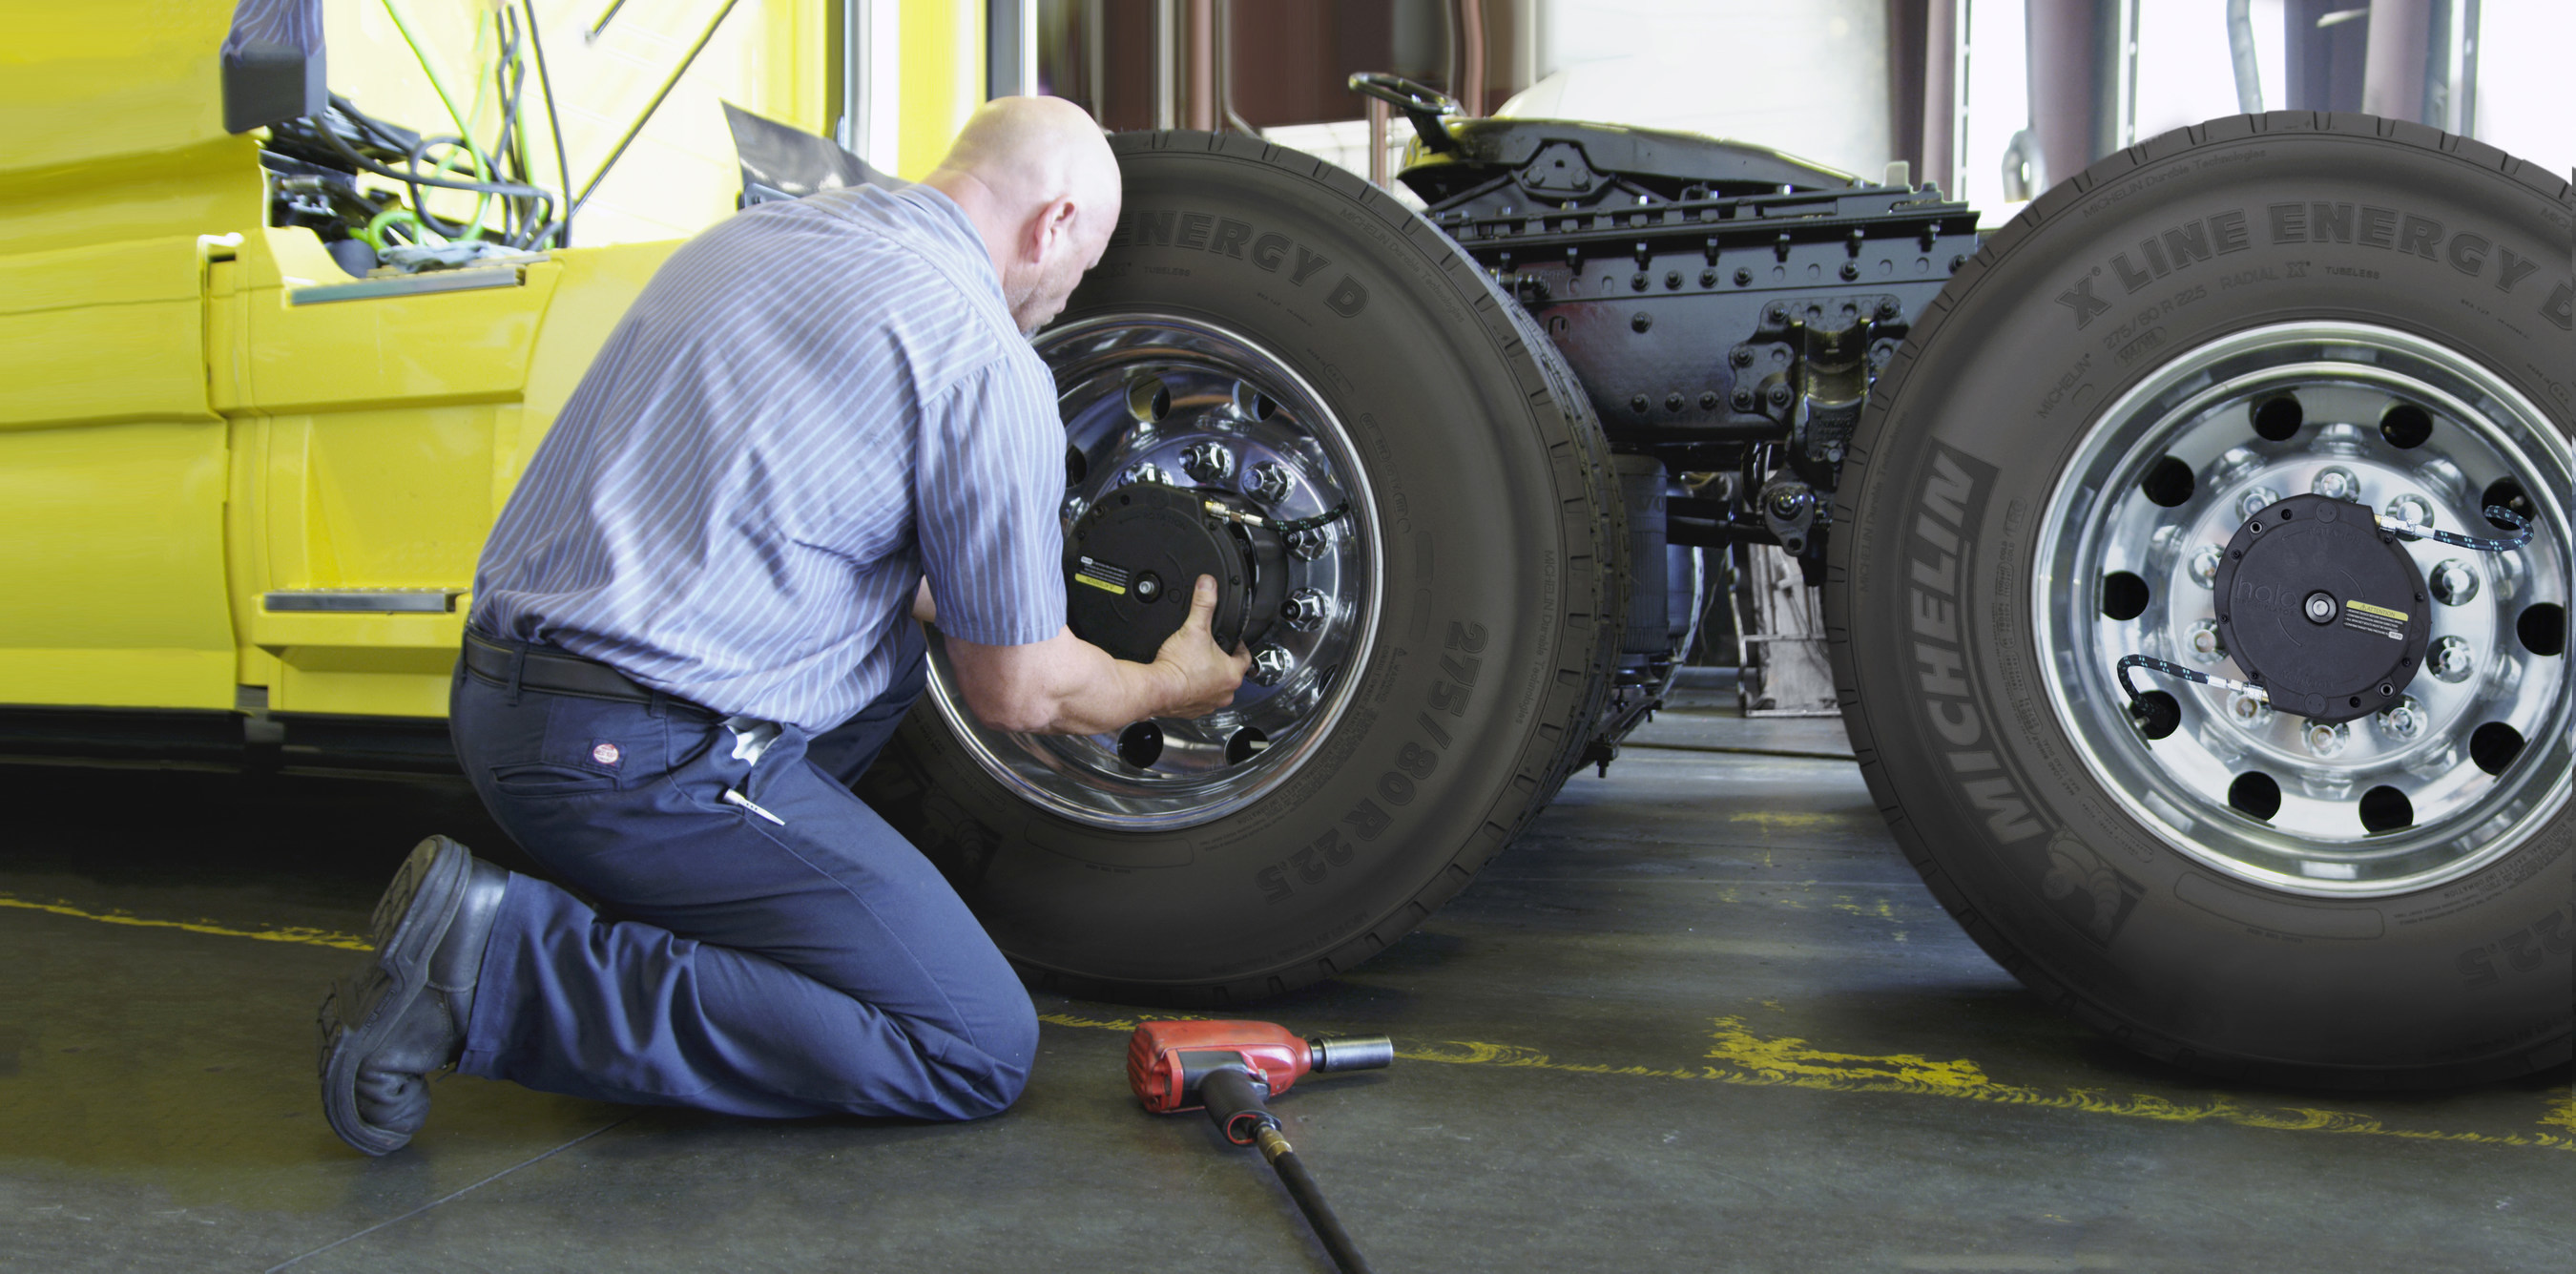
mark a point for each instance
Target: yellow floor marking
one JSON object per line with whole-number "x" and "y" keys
{"x": 1788, "y": 1062}
{"x": 1117, "y": 1023}
{"x": 1883, "y": 911}
{"x": 1749, "y": 1059}
{"x": 1787, "y": 818}
{"x": 305, "y": 937}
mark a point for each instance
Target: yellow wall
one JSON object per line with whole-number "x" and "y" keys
{"x": 942, "y": 78}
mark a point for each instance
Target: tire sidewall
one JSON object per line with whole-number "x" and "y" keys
{"x": 2465, "y": 979}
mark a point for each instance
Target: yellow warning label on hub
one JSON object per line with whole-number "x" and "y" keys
{"x": 1108, "y": 577}
{"x": 2364, "y": 617}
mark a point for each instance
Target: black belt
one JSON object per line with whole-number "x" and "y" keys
{"x": 553, "y": 671}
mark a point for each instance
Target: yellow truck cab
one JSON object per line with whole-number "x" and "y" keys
{"x": 246, "y": 490}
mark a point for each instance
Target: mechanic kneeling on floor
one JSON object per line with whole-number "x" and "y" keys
{"x": 692, "y": 630}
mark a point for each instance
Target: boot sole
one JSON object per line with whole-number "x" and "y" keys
{"x": 408, "y": 922}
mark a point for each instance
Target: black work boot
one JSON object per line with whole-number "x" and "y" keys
{"x": 401, "y": 1015}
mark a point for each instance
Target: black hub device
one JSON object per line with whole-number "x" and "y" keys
{"x": 2322, "y": 608}
{"x": 1132, "y": 559}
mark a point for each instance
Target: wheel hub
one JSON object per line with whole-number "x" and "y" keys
{"x": 2322, "y": 608}
{"x": 1132, "y": 561}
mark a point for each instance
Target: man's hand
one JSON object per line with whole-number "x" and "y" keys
{"x": 1204, "y": 676}
{"x": 1065, "y": 685}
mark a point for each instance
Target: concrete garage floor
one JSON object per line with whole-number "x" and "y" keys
{"x": 1702, "y": 1017}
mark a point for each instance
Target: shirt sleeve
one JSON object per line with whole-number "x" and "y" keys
{"x": 987, "y": 483}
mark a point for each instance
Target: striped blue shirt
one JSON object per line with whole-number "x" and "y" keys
{"x": 810, "y": 405}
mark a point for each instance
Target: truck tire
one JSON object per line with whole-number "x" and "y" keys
{"x": 1261, "y": 317}
{"x": 2052, "y": 468}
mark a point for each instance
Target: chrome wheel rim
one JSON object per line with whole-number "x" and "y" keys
{"x": 2363, "y": 395}
{"x": 1144, "y": 398}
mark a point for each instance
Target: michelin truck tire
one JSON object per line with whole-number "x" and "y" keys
{"x": 2050, "y": 476}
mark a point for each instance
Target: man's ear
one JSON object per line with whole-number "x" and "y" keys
{"x": 1051, "y": 229}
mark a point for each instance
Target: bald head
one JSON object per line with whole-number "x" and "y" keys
{"x": 1036, "y": 177}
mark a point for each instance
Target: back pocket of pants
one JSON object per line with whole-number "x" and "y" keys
{"x": 539, "y": 779}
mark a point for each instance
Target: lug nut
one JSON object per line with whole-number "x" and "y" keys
{"x": 2249, "y": 713}
{"x": 2403, "y": 720}
{"x": 1270, "y": 482}
{"x": 2411, "y": 508}
{"x": 1307, "y": 545}
{"x": 1270, "y": 666}
{"x": 1306, "y": 610}
{"x": 2255, "y": 501}
{"x": 2453, "y": 582}
{"x": 2204, "y": 564}
{"x": 2336, "y": 483}
{"x": 1208, "y": 462}
{"x": 1147, "y": 472}
{"x": 1073, "y": 509}
{"x": 2450, "y": 660}
{"x": 2202, "y": 641}
{"x": 2327, "y": 740}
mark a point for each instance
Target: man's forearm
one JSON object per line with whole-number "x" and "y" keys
{"x": 1106, "y": 699}
{"x": 1063, "y": 685}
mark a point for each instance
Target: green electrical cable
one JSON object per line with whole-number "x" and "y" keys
{"x": 474, "y": 110}
{"x": 374, "y": 233}
{"x": 482, "y": 172}
{"x": 519, "y": 114}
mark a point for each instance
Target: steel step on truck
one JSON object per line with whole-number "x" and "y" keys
{"x": 2193, "y": 549}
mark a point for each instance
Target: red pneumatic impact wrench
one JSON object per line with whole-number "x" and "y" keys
{"x": 1229, "y": 1067}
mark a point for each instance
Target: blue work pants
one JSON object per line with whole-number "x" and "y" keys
{"x": 717, "y": 959}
